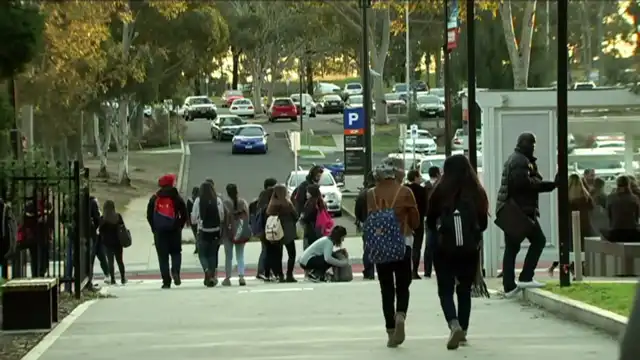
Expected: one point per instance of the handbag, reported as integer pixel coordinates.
(513, 221)
(124, 236)
(241, 231)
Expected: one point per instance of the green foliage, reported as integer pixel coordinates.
(21, 28)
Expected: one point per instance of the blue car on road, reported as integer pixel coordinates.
(250, 139)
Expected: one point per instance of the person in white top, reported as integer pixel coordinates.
(318, 258)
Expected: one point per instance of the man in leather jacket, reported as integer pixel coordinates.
(522, 183)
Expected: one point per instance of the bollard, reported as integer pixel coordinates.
(577, 244)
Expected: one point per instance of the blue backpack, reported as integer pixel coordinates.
(256, 222)
(383, 239)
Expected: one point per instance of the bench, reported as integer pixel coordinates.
(607, 259)
(29, 304)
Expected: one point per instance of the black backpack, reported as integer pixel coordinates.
(458, 227)
(211, 216)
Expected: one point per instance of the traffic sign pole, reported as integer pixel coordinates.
(414, 136)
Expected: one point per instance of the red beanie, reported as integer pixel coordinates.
(167, 180)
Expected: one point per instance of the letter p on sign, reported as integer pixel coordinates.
(353, 118)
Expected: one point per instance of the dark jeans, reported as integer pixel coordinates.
(97, 251)
(114, 256)
(460, 266)
(394, 279)
(208, 249)
(39, 254)
(369, 269)
(274, 258)
(537, 241)
(432, 239)
(291, 256)
(317, 265)
(418, 240)
(262, 260)
(168, 247)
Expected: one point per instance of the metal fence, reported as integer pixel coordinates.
(46, 224)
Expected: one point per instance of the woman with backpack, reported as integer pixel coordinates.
(111, 224)
(210, 216)
(458, 215)
(283, 216)
(194, 227)
(238, 235)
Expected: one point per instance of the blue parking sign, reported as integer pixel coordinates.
(354, 119)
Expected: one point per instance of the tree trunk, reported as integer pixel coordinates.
(378, 59)
(235, 69)
(123, 112)
(519, 55)
(256, 74)
(309, 76)
(585, 24)
(599, 47)
(439, 68)
(102, 148)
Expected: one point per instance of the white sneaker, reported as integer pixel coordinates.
(530, 284)
(513, 293)
(106, 280)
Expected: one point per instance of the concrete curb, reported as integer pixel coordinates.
(183, 172)
(578, 311)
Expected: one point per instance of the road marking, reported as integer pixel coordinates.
(275, 290)
(58, 331)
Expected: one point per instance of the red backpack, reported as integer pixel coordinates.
(164, 214)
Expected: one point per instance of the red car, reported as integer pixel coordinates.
(229, 96)
(283, 108)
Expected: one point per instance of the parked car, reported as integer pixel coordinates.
(225, 127)
(430, 106)
(282, 108)
(250, 139)
(356, 101)
(424, 144)
(329, 189)
(330, 104)
(323, 88)
(229, 96)
(242, 107)
(457, 142)
(351, 89)
(437, 160)
(439, 92)
(308, 105)
(419, 85)
(199, 107)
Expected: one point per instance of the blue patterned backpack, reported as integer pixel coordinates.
(383, 239)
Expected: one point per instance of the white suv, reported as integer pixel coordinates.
(351, 89)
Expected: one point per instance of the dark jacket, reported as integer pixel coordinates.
(420, 193)
(37, 222)
(109, 233)
(94, 211)
(178, 204)
(522, 183)
(360, 208)
(299, 196)
(623, 209)
(599, 198)
(288, 219)
(435, 209)
(309, 216)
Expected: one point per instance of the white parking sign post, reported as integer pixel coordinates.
(294, 140)
(403, 141)
(414, 136)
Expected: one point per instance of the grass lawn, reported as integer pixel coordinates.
(317, 140)
(385, 138)
(615, 297)
(306, 152)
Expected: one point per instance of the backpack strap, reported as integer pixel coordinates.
(372, 191)
(393, 203)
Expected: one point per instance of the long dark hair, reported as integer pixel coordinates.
(316, 197)
(109, 213)
(459, 181)
(232, 193)
(279, 202)
(337, 235)
(195, 192)
(207, 196)
(313, 172)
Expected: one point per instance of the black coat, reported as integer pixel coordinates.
(522, 183)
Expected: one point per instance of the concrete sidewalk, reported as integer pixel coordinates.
(141, 258)
(305, 321)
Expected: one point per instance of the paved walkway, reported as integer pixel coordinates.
(307, 321)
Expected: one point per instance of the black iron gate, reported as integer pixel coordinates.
(49, 205)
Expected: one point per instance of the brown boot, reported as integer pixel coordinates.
(391, 342)
(399, 334)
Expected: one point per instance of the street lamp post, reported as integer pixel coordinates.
(471, 85)
(407, 77)
(366, 85)
(447, 83)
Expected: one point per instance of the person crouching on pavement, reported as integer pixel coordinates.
(167, 215)
(318, 258)
(360, 209)
(394, 274)
(458, 214)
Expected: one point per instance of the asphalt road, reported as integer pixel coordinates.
(213, 159)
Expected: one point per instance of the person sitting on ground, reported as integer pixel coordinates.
(318, 258)
(282, 207)
(167, 215)
(110, 224)
(194, 227)
(623, 209)
(458, 213)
